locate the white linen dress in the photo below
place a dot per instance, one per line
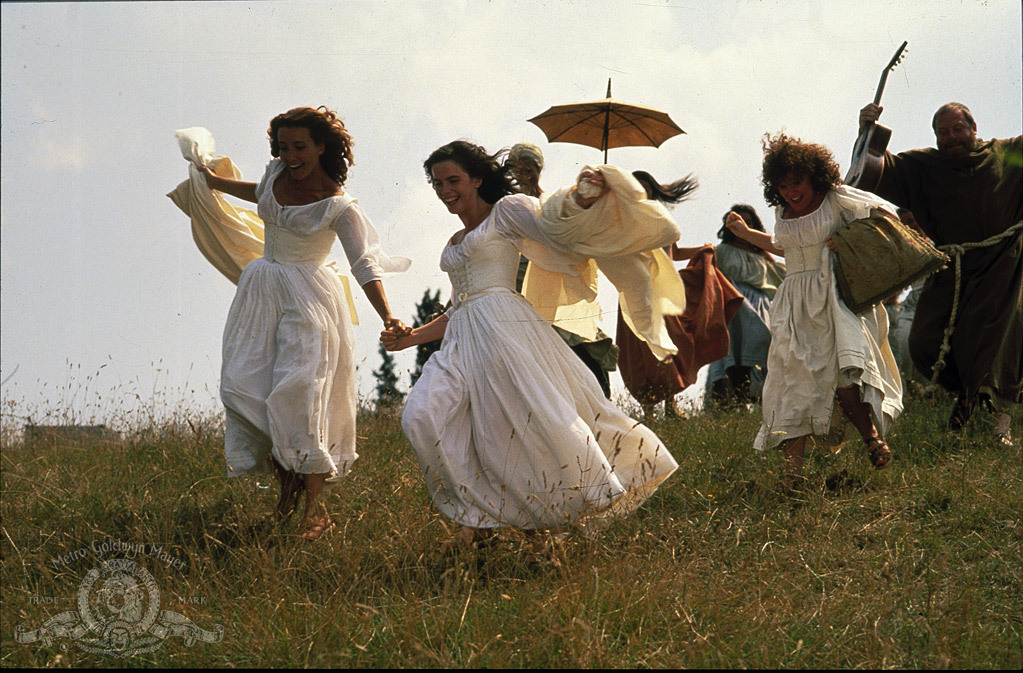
(510, 428)
(817, 343)
(288, 374)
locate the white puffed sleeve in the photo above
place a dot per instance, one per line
(857, 203)
(362, 245)
(274, 167)
(516, 218)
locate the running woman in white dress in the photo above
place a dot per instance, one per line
(510, 428)
(820, 350)
(288, 373)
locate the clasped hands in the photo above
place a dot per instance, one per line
(396, 335)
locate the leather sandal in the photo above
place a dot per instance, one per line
(317, 530)
(879, 453)
(1002, 435)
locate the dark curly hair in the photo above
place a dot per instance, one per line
(475, 161)
(673, 192)
(784, 156)
(747, 213)
(325, 129)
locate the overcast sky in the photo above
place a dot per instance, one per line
(105, 297)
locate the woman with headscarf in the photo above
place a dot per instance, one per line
(597, 352)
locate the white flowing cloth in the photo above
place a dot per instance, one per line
(509, 427)
(228, 236)
(622, 234)
(817, 344)
(288, 372)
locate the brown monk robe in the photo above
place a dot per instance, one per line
(701, 333)
(958, 199)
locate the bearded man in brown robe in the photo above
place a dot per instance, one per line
(966, 190)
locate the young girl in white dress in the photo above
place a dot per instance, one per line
(288, 373)
(820, 350)
(510, 428)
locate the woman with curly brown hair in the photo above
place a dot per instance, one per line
(288, 373)
(820, 350)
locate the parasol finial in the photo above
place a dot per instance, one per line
(608, 87)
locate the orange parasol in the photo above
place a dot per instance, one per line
(606, 123)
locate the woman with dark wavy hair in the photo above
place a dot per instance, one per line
(739, 376)
(510, 428)
(288, 374)
(671, 193)
(821, 352)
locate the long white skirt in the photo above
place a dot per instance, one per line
(511, 429)
(817, 346)
(288, 375)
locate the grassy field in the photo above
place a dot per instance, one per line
(917, 566)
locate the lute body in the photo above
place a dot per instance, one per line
(868, 158)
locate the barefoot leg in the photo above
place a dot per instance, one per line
(464, 538)
(858, 412)
(315, 519)
(291, 488)
(794, 450)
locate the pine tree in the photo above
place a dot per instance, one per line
(387, 391)
(426, 310)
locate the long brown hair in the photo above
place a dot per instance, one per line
(325, 129)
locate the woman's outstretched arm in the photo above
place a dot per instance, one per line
(761, 239)
(682, 254)
(374, 290)
(238, 188)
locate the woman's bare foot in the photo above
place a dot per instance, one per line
(465, 538)
(539, 541)
(1002, 423)
(878, 452)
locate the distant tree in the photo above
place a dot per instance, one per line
(426, 310)
(387, 391)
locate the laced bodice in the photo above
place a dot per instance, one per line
(285, 246)
(484, 260)
(802, 238)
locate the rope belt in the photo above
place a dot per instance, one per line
(957, 250)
